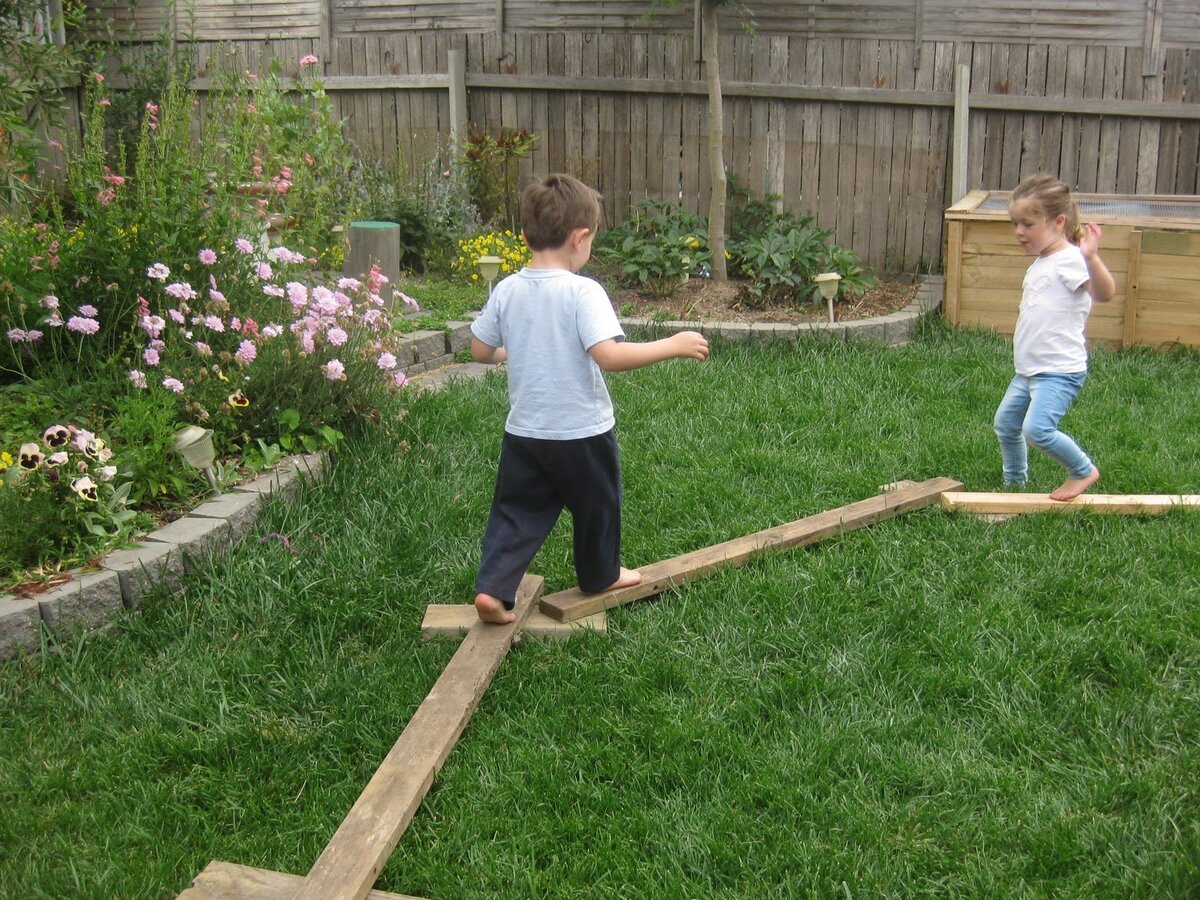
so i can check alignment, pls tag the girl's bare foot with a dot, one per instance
(628, 578)
(490, 609)
(1073, 487)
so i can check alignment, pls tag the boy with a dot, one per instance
(558, 333)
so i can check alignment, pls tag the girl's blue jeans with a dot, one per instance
(1029, 414)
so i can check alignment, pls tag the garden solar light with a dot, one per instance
(489, 268)
(195, 445)
(827, 282)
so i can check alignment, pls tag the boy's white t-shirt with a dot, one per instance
(1054, 309)
(547, 319)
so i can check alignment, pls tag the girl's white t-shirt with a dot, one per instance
(548, 319)
(1054, 309)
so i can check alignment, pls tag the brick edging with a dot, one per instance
(894, 329)
(92, 599)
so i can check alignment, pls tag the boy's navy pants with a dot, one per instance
(535, 480)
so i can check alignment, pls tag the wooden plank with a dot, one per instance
(954, 267)
(353, 858)
(1129, 330)
(1008, 503)
(229, 881)
(568, 605)
(456, 619)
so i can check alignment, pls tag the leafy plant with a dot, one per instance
(35, 70)
(62, 497)
(489, 163)
(658, 247)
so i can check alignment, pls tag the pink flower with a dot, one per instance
(214, 323)
(152, 325)
(336, 336)
(207, 256)
(181, 290)
(309, 60)
(386, 361)
(176, 316)
(263, 271)
(246, 352)
(217, 297)
(407, 299)
(173, 384)
(88, 310)
(203, 349)
(138, 378)
(150, 355)
(82, 325)
(158, 272)
(106, 196)
(400, 379)
(99, 78)
(243, 245)
(334, 370)
(49, 301)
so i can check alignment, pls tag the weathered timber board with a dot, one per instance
(229, 881)
(1127, 504)
(456, 619)
(353, 858)
(568, 605)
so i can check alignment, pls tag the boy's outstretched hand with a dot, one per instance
(690, 345)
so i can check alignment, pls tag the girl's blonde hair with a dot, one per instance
(1053, 196)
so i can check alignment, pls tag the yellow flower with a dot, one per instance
(238, 400)
(5, 460)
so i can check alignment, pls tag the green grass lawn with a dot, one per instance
(931, 705)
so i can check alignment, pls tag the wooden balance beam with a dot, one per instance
(353, 858)
(1013, 504)
(568, 605)
(456, 619)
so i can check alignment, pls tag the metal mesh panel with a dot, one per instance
(1129, 207)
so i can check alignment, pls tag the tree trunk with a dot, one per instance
(716, 134)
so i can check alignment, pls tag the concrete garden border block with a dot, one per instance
(866, 330)
(20, 625)
(458, 338)
(143, 567)
(87, 601)
(197, 539)
(282, 480)
(239, 509)
(421, 346)
(823, 331)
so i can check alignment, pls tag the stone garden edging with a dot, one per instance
(894, 329)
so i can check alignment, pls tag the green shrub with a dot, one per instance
(489, 165)
(658, 247)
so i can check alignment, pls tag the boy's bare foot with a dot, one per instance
(1073, 487)
(490, 609)
(628, 578)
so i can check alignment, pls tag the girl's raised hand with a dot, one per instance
(1090, 242)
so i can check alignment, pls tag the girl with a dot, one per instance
(1049, 349)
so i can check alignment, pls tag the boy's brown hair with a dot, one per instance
(553, 207)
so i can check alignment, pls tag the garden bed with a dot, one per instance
(702, 299)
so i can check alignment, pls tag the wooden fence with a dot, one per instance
(857, 132)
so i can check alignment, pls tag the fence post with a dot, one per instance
(457, 60)
(962, 112)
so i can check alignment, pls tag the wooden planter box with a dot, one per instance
(1150, 244)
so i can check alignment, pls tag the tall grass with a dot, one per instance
(934, 704)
